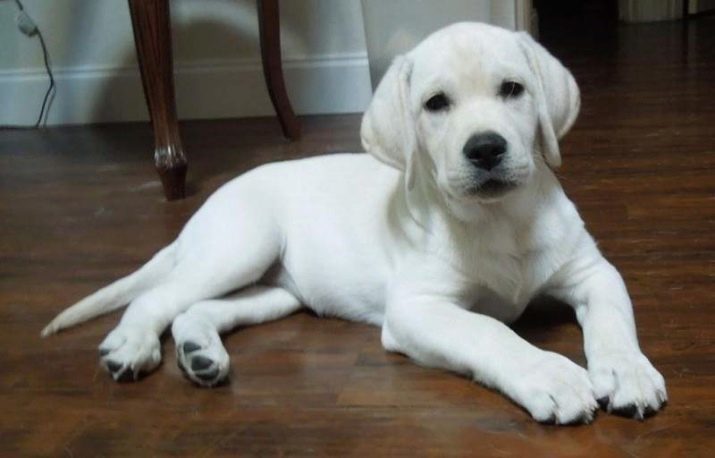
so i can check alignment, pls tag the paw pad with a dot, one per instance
(121, 373)
(199, 363)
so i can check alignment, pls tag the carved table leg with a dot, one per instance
(270, 32)
(152, 37)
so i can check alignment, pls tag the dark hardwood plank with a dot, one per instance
(78, 208)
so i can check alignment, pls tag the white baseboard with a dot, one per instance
(651, 11)
(206, 89)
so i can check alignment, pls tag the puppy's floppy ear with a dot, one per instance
(388, 130)
(557, 97)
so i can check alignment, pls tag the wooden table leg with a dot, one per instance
(270, 34)
(152, 37)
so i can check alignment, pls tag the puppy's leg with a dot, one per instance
(199, 350)
(624, 381)
(215, 255)
(132, 348)
(438, 334)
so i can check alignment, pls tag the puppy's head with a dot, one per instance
(473, 106)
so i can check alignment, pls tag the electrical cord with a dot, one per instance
(50, 90)
(29, 28)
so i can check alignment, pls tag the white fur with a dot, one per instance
(413, 246)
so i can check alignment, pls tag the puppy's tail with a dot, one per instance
(116, 295)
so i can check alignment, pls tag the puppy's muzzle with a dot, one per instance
(485, 150)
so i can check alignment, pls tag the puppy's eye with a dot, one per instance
(437, 102)
(510, 89)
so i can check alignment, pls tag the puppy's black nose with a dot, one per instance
(485, 150)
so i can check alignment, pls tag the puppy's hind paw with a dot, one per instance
(128, 354)
(199, 351)
(202, 365)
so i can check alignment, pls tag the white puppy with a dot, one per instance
(453, 237)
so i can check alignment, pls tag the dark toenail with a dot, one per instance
(208, 376)
(549, 421)
(584, 419)
(189, 347)
(103, 351)
(603, 402)
(648, 412)
(626, 411)
(113, 366)
(200, 362)
(127, 376)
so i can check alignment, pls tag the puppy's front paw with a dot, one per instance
(554, 390)
(128, 353)
(627, 384)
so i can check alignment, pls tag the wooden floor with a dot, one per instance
(81, 206)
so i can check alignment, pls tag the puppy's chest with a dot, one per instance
(499, 286)
(500, 276)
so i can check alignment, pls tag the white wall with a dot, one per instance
(699, 6)
(395, 26)
(216, 59)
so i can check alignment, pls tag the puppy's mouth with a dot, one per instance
(491, 188)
